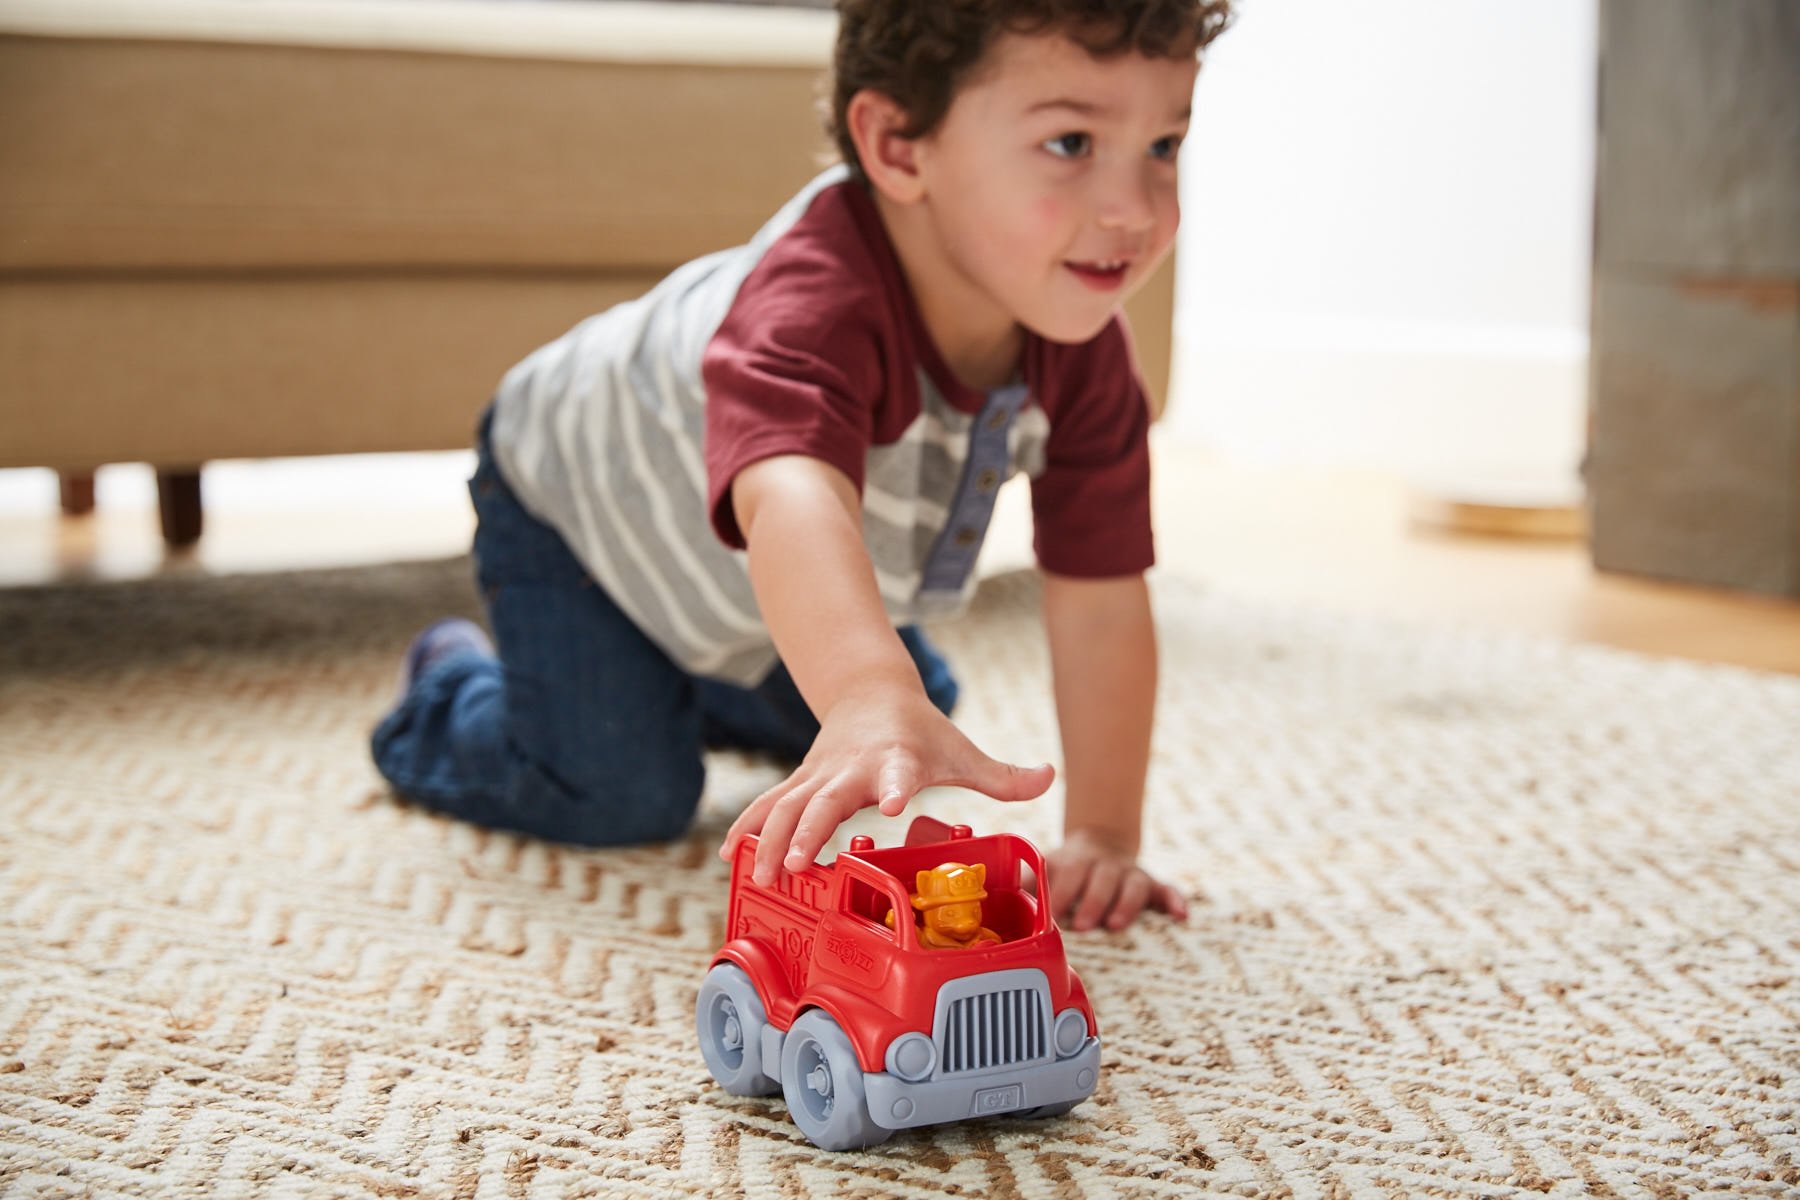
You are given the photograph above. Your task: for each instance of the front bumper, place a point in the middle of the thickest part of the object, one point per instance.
(897, 1104)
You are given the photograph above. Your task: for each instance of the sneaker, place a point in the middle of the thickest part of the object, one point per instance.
(452, 635)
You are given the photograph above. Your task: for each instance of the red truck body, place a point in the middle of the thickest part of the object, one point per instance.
(820, 939)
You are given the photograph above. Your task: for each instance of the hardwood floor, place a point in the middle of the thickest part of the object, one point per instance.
(1338, 539)
(1349, 540)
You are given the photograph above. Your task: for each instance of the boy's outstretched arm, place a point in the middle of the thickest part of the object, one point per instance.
(881, 740)
(1103, 655)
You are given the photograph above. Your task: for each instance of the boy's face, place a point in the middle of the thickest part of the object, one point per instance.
(1051, 182)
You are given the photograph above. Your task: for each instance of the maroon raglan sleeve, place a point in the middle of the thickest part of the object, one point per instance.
(1091, 502)
(794, 369)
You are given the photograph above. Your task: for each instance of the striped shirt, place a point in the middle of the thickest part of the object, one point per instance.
(625, 433)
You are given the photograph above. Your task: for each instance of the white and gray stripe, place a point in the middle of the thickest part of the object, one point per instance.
(600, 433)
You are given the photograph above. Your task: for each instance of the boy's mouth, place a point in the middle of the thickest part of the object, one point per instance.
(1103, 275)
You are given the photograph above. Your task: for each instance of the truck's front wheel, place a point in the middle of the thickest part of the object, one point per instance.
(729, 1017)
(1044, 1112)
(823, 1083)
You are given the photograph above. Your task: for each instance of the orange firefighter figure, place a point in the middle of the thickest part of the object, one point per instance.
(949, 900)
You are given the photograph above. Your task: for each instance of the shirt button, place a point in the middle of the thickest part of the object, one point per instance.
(988, 480)
(965, 537)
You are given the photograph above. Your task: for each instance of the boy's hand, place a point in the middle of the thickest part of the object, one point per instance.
(881, 744)
(1097, 880)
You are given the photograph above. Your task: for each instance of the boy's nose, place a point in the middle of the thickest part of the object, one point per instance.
(1128, 205)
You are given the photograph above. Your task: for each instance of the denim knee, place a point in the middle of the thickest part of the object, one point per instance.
(647, 805)
(934, 671)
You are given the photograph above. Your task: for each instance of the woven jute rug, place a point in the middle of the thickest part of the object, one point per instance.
(1475, 916)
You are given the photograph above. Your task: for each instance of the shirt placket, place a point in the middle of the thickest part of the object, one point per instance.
(952, 557)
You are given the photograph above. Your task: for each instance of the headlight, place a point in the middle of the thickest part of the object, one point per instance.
(1071, 1032)
(911, 1056)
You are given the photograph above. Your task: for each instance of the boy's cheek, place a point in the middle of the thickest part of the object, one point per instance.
(1048, 214)
(1170, 222)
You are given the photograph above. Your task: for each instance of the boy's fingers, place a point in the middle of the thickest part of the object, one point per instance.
(1131, 900)
(748, 822)
(1171, 901)
(897, 785)
(1070, 880)
(1097, 896)
(751, 819)
(1004, 781)
(817, 822)
(777, 834)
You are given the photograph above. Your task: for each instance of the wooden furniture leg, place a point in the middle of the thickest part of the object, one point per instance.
(178, 497)
(77, 492)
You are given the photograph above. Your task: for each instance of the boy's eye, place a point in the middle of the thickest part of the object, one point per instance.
(1165, 148)
(1070, 145)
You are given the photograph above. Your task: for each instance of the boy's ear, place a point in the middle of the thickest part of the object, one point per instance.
(889, 159)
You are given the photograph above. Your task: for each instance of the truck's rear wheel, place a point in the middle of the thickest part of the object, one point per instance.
(823, 1083)
(729, 1017)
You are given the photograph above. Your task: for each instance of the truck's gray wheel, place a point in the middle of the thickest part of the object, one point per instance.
(729, 1017)
(1046, 1111)
(823, 1084)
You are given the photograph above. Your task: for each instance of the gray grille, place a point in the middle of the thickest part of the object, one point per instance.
(995, 1029)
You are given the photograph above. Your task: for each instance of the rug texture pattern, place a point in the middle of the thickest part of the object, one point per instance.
(1475, 916)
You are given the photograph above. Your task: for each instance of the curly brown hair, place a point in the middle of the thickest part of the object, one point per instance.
(919, 52)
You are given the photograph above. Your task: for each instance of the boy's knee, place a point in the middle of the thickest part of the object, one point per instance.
(640, 807)
(640, 826)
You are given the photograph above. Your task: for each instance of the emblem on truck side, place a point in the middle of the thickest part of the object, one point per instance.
(849, 953)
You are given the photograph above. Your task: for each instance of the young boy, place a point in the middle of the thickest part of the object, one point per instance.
(702, 514)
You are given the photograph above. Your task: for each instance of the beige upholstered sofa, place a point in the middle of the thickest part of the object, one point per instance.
(257, 228)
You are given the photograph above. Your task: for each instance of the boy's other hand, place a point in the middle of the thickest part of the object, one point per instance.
(879, 745)
(1098, 881)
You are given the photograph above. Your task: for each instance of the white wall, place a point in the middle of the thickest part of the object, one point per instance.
(1386, 235)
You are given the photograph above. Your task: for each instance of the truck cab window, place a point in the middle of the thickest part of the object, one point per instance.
(872, 905)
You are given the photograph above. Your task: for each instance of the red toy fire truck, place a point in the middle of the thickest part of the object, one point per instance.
(899, 987)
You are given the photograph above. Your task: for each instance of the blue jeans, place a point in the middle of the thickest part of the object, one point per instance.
(582, 730)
